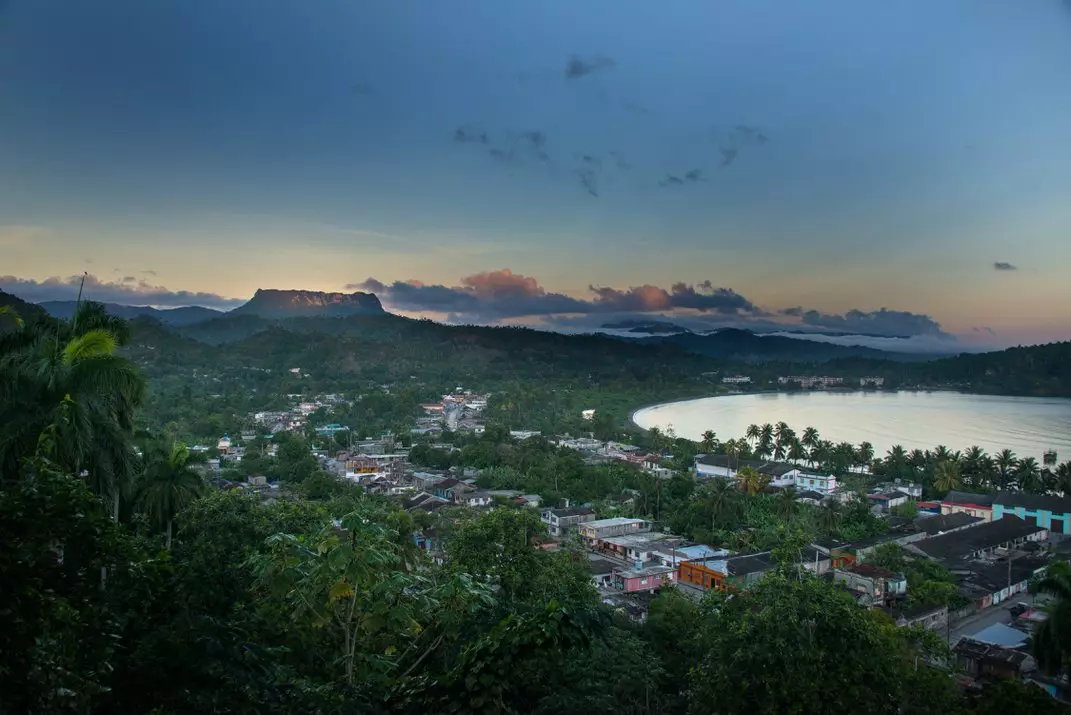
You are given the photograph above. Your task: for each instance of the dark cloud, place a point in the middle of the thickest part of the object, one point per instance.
(702, 297)
(728, 155)
(883, 322)
(578, 66)
(588, 180)
(483, 296)
(694, 175)
(127, 292)
(620, 161)
(502, 294)
(671, 180)
(1004, 266)
(148, 272)
(471, 134)
(129, 279)
(983, 329)
(793, 312)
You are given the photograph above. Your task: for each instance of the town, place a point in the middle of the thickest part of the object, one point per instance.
(987, 548)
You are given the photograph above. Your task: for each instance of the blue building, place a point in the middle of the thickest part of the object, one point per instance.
(1048, 512)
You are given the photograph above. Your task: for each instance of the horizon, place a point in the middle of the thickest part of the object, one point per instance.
(890, 171)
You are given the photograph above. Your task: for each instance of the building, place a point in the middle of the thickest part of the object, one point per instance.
(561, 522)
(1050, 512)
(736, 380)
(888, 499)
(720, 465)
(473, 499)
(871, 585)
(823, 483)
(224, 445)
(607, 528)
(649, 578)
(932, 619)
(601, 571)
(723, 573)
(632, 547)
(673, 555)
(990, 583)
(871, 382)
(979, 660)
(974, 504)
(979, 541)
(808, 382)
(946, 523)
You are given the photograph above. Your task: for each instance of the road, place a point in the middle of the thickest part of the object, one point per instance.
(984, 619)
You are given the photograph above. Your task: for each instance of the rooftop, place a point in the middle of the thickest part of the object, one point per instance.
(934, 525)
(615, 521)
(963, 543)
(571, 511)
(871, 571)
(968, 498)
(644, 572)
(1033, 502)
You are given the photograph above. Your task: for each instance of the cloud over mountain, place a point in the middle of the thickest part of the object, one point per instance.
(128, 291)
(1004, 266)
(504, 295)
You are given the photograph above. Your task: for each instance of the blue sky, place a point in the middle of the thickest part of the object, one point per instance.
(844, 155)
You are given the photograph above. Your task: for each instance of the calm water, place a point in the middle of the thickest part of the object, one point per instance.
(1026, 425)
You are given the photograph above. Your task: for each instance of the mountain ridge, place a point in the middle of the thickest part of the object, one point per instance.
(277, 303)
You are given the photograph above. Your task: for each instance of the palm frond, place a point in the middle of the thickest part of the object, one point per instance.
(91, 344)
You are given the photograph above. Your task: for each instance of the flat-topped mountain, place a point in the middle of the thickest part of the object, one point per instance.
(271, 303)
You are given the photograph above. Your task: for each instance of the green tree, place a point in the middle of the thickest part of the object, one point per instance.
(1028, 475)
(65, 377)
(710, 441)
(168, 484)
(946, 476)
(1005, 462)
(785, 625)
(1051, 643)
(752, 480)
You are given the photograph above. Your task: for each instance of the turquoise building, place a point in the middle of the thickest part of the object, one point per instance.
(1048, 512)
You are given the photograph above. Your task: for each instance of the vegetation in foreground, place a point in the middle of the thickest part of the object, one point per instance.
(129, 588)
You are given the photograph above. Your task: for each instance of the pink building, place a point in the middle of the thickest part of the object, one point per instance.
(643, 579)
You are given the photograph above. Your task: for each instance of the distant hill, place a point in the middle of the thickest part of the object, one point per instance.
(167, 316)
(26, 311)
(748, 347)
(270, 303)
(651, 327)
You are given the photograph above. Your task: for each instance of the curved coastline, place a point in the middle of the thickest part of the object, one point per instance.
(1029, 426)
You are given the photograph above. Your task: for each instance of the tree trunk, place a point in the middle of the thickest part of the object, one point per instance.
(169, 524)
(115, 505)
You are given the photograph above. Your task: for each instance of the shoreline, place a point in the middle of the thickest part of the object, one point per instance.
(632, 413)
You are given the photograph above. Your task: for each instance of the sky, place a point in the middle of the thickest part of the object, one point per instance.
(895, 169)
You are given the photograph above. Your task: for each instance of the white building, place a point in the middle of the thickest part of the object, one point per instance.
(822, 483)
(736, 380)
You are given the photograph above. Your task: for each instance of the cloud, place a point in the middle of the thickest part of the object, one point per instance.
(127, 292)
(588, 180)
(881, 323)
(1004, 266)
(471, 134)
(495, 295)
(578, 66)
(983, 329)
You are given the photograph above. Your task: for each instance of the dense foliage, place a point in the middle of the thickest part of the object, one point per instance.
(126, 586)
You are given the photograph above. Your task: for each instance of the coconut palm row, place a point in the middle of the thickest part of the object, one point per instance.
(67, 397)
(948, 469)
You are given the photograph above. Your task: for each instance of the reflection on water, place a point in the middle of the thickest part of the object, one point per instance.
(1027, 425)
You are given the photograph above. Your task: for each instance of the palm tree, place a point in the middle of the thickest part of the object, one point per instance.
(1028, 474)
(710, 441)
(786, 503)
(783, 436)
(766, 434)
(829, 516)
(946, 476)
(732, 450)
(1051, 642)
(896, 461)
(168, 484)
(796, 451)
(720, 501)
(65, 378)
(1006, 462)
(810, 438)
(752, 433)
(864, 455)
(1063, 479)
(752, 480)
(764, 449)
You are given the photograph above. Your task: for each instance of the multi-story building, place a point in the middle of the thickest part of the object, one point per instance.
(618, 526)
(561, 522)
